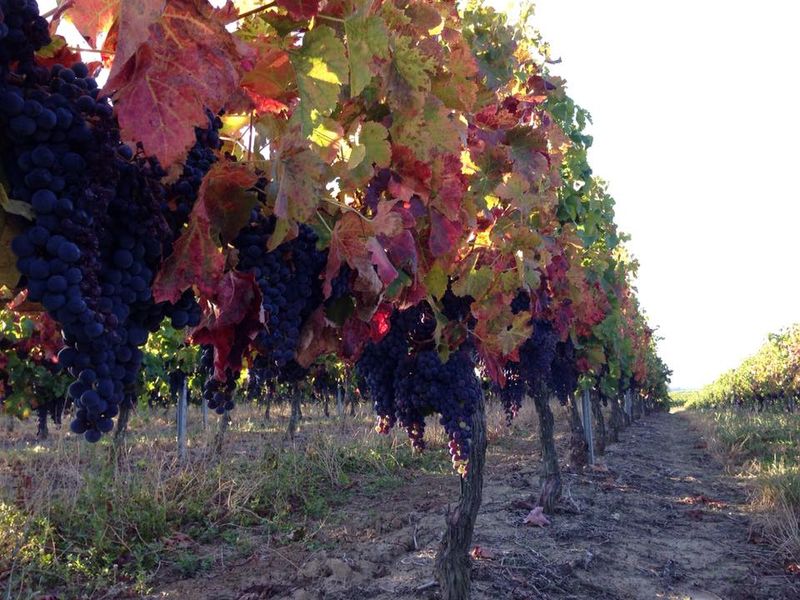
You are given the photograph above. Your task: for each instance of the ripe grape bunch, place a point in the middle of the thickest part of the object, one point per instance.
(407, 381)
(289, 280)
(99, 230)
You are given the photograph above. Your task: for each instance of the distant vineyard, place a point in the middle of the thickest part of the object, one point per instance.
(768, 379)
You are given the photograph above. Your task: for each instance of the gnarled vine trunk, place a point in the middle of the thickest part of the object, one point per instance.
(577, 440)
(295, 415)
(122, 421)
(616, 422)
(597, 411)
(551, 488)
(219, 437)
(452, 565)
(42, 433)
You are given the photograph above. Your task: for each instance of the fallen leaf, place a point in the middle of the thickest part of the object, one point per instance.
(481, 552)
(536, 517)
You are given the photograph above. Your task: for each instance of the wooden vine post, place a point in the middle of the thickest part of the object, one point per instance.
(586, 413)
(181, 420)
(452, 564)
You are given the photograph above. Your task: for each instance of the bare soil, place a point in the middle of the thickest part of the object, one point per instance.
(658, 517)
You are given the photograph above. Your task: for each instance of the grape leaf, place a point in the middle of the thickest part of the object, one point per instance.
(428, 132)
(321, 69)
(228, 197)
(300, 9)
(234, 316)
(367, 39)
(372, 150)
(386, 270)
(270, 83)
(326, 138)
(299, 173)
(133, 29)
(94, 18)
(475, 282)
(188, 63)
(445, 234)
(412, 65)
(436, 280)
(196, 260)
(317, 338)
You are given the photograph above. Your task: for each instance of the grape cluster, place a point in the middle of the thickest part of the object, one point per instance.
(407, 381)
(531, 374)
(182, 194)
(217, 394)
(22, 32)
(103, 218)
(425, 385)
(512, 393)
(289, 280)
(564, 371)
(536, 357)
(90, 253)
(376, 368)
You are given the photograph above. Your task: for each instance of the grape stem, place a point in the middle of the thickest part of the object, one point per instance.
(346, 207)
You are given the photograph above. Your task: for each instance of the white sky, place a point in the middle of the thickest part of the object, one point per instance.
(695, 108)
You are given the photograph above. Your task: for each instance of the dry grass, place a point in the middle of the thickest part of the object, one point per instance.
(79, 517)
(764, 449)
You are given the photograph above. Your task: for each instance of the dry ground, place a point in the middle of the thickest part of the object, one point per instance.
(658, 518)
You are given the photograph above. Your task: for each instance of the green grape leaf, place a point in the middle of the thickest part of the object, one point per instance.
(436, 280)
(321, 69)
(412, 65)
(367, 39)
(373, 148)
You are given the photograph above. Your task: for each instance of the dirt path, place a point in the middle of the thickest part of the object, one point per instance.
(658, 519)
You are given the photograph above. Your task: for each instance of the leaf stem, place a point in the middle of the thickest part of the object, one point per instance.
(250, 13)
(346, 207)
(94, 50)
(324, 223)
(329, 18)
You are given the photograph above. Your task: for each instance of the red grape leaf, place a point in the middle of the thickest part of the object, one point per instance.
(188, 63)
(386, 270)
(353, 240)
(233, 317)
(133, 30)
(94, 18)
(228, 198)
(387, 221)
(445, 234)
(196, 260)
(57, 53)
(270, 84)
(355, 335)
(402, 250)
(317, 338)
(300, 9)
